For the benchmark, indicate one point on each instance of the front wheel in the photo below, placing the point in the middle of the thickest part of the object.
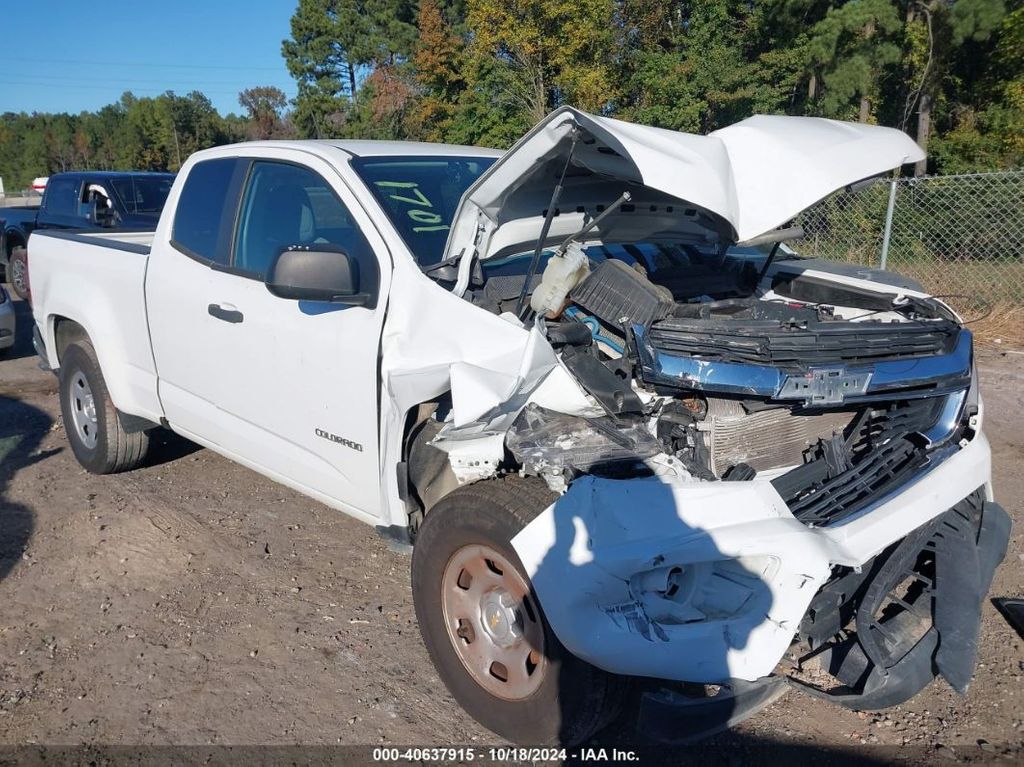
(485, 630)
(97, 437)
(18, 268)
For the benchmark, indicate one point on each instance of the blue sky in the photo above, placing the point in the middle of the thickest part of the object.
(70, 56)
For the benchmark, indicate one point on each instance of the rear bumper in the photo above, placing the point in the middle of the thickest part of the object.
(703, 582)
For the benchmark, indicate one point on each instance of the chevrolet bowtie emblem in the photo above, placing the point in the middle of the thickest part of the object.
(825, 386)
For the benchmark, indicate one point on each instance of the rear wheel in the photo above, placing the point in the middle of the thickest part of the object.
(94, 429)
(485, 629)
(18, 272)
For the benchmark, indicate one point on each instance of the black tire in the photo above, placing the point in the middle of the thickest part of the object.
(102, 446)
(17, 272)
(574, 700)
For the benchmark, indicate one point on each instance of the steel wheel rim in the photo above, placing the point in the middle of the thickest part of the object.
(83, 410)
(493, 622)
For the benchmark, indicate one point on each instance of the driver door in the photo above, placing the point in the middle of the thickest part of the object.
(295, 383)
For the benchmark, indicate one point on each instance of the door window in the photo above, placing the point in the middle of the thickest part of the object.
(287, 205)
(206, 210)
(62, 196)
(143, 194)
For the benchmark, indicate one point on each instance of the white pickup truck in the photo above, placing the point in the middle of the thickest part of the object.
(628, 431)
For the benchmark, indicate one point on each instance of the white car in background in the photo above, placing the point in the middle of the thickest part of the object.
(6, 321)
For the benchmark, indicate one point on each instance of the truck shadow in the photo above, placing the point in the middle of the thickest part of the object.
(23, 323)
(22, 428)
(165, 446)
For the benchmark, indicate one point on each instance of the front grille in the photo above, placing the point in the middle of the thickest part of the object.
(876, 426)
(769, 342)
(881, 451)
(882, 471)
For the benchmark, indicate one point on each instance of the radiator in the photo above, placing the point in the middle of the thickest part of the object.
(767, 439)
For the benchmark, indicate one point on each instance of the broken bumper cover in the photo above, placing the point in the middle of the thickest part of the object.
(704, 582)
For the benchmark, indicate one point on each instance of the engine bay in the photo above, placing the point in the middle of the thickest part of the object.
(834, 393)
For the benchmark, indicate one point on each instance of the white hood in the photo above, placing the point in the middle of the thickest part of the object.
(734, 184)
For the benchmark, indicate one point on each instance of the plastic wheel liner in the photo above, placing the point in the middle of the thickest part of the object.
(912, 613)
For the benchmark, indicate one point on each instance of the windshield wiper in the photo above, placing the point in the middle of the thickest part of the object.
(450, 261)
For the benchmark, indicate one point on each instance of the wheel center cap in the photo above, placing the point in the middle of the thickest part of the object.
(498, 616)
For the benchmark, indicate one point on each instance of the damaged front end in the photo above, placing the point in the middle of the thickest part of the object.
(885, 629)
(759, 459)
(758, 471)
(748, 479)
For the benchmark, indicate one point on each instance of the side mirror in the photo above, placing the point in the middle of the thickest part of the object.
(101, 215)
(316, 273)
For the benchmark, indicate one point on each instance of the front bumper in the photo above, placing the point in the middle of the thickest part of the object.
(704, 582)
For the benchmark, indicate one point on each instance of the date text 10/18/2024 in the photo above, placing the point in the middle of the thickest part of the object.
(502, 754)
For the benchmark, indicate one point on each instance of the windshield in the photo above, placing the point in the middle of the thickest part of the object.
(143, 194)
(420, 195)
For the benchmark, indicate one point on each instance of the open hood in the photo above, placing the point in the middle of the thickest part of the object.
(729, 186)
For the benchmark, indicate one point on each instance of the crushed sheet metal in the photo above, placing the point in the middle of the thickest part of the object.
(430, 331)
(584, 551)
(434, 342)
(479, 392)
(561, 392)
(473, 459)
(427, 332)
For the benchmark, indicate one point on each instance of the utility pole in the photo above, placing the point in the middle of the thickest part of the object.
(177, 146)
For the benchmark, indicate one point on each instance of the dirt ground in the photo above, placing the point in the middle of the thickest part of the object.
(195, 602)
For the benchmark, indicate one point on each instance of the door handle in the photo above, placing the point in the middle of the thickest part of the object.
(225, 312)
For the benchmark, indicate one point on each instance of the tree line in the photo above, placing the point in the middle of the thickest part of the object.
(949, 72)
(135, 133)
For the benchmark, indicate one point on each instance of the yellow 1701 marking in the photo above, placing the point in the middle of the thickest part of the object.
(421, 199)
(432, 220)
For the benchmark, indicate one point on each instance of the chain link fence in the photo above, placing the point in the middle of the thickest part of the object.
(960, 236)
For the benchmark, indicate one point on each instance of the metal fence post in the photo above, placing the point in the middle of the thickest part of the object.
(888, 224)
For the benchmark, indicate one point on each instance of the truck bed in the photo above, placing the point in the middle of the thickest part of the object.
(107, 272)
(131, 242)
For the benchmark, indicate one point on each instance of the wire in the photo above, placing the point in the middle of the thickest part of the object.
(117, 80)
(138, 64)
(896, 309)
(77, 86)
(989, 308)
